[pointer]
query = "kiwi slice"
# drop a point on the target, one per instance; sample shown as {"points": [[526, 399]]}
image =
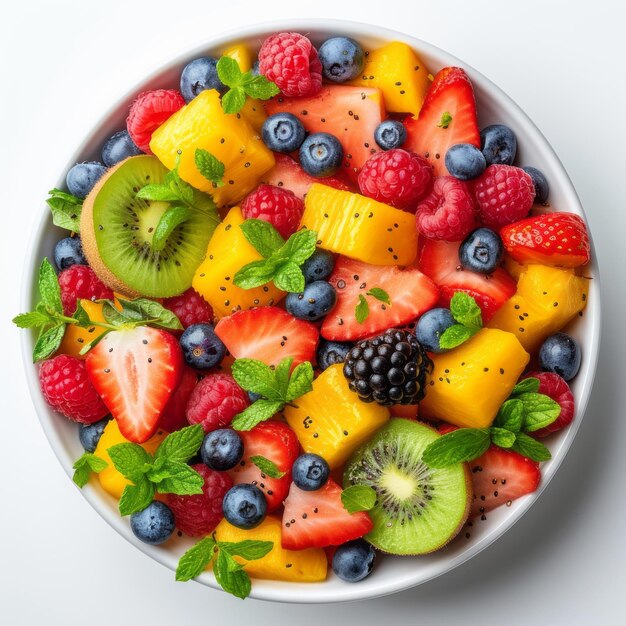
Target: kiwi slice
{"points": [[140, 247], [418, 509]]}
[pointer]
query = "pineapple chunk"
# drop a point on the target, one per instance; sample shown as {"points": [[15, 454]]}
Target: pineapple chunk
{"points": [[331, 420], [547, 298], [228, 252], [359, 227], [230, 138], [469, 384]]}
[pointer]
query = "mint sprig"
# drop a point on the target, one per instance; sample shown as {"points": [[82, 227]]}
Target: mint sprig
{"points": [[358, 498], [85, 465], [362, 309], [210, 167], [267, 467], [468, 318], [66, 209]]}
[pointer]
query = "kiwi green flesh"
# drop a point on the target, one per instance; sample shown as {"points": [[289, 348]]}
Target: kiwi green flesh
{"points": [[418, 509]]}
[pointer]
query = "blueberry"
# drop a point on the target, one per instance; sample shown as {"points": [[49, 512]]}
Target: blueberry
{"points": [[542, 187], [342, 59], [499, 144], [81, 179], [316, 301], [332, 352], [221, 449], [283, 132], [321, 155], [255, 71], [254, 396], [310, 472], [560, 354], [119, 147], [318, 266], [244, 506], [390, 134], [68, 252], [431, 326], [198, 75], [202, 348], [481, 251], [353, 561], [154, 524], [465, 161], [89, 434]]}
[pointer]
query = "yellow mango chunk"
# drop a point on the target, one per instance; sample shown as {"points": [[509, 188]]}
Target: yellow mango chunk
{"points": [[76, 338], [241, 53]]}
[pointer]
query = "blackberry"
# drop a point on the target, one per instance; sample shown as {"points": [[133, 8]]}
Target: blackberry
{"points": [[389, 369]]}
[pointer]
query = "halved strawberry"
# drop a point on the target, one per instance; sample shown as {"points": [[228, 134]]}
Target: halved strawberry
{"points": [[268, 334], [411, 294], [550, 239], [135, 372], [439, 260], [278, 443], [555, 387], [447, 117], [173, 416], [499, 476], [316, 519]]}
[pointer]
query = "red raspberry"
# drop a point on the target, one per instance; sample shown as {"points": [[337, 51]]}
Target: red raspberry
{"points": [[173, 416], [291, 61], [447, 212], [396, 177], [148, 112], [67, 389], [190, 308], [555, 387], [504, 194], [214, 402], [199, 515], [80, 282], [280, 207]]}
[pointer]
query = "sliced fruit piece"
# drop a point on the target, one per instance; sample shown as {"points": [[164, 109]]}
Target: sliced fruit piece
{"points": [[254, 111], [555, 387], [135, 372], [76, 338], [316, 519], [230, 138], [241, 53], [173, 415], [331, 421], [268, 334], [418, 509], [306, 566], [410, 292], [447, 117], [359, 227], [469, 384], [227, 252]]}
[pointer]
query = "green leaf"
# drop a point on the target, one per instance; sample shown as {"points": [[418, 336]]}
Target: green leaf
{"points": [[196, 559], [49, 287], [301, 381], [209, 166], [266, 466], [358, 498], [300, 246], [455, 335], [181, 445], [255, 376], [136, 497], [48, 343], [81, 316], [174, 216], [158, 192], [282, 374], [502, 437], [379, 294], [446, 118], [465, 310], [259, 87], [262, 236], [183, 190], [511, 415], [528, 385], [66, 209], [183, 480], [362, 309], [153, 311], [228, 72], [86, 464], [233, 100], [249, 549], [130, 460], [230, 575], [255, 274], [531, 448], [539, 411], [33, 319], [256, 413], [118, 318], [289, 278], [458, 446]]}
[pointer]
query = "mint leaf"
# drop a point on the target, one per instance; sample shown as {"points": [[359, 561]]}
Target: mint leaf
{"points": [[259, 87], [531, 448], [81, 316], [289, 277], [465, 310], [528, 385], [256, 413], [130, 460], [66, 209], [282, 372], [502, 437], [446, 118], [158, 192], [266, 466], [358, 498], [136, 497], [379, 294], [300, 246], [254, 274], [539, 410], [455, 335], [255, 376], [49, 288], [209, 166], [464, 444], [118, 318], [233, 100], [511, 415], [228, 72], [262, 236], [181, 479], [249, 549], [152, 312], [230, 575], [362, 310], [174, 216], [301, 381], [48, 343], [86, 464], [196, 559], [183, 190], [33, 319], [180, 445]]}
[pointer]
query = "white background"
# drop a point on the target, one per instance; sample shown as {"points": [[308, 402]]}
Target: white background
{"points": [[563, 62]]}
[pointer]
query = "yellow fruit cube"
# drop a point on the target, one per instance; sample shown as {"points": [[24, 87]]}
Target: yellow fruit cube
{"points": [[241, 53], [76, 338]]}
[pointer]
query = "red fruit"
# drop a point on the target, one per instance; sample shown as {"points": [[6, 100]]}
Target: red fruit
{"points": [[268, 334], [316, 519], [80, 282], [174, 415], [278, 443], [555, 387], [396, 177], [504, 194], [447, 212], [148, 112], [499, 476], [215, 400], [551, 239], [199, 514], [135, 372], [190, 308], [411, 294], [279, 207], [447, 117], [291, 61], [439, 260], [67, 389]]}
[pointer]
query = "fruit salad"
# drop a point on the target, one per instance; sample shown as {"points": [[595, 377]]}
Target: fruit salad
{"points": [[309, 313]]}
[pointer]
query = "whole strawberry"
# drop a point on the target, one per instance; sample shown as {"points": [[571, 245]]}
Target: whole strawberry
{"points": [[80, 282], [279, 207]]}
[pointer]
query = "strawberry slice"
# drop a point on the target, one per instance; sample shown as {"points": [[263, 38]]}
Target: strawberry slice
{"points": [[268, 334], [555, 387], [550, 239], [316, 519], [499, 476], [447, 117], [411, 294], [439, 260], [135, 372], [173, 416], [278, 443]]}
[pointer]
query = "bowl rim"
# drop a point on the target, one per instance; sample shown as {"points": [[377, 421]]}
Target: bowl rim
{"points": [[307, 592]]}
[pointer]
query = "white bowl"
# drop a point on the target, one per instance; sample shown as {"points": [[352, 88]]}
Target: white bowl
{"points": [[392, 573]]}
